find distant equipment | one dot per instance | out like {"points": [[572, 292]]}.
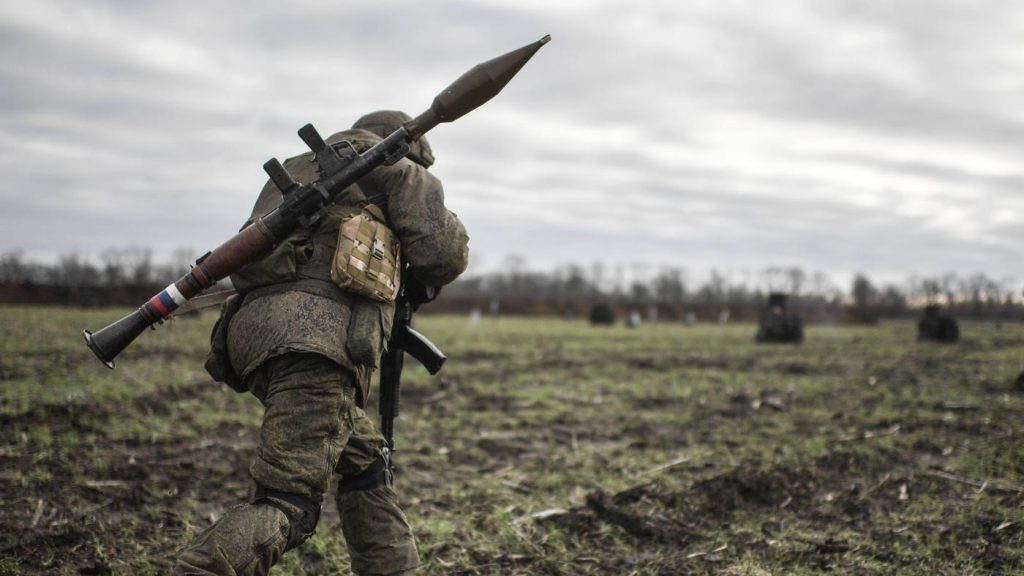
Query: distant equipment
{"points": [[935, 326], [690, 319], [634, 319], [602, 315], [777, 324]]}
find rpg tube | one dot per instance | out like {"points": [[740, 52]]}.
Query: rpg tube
{"points": [[471, 90]]}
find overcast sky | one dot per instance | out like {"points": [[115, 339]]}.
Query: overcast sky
{"points": [[884, 137]]}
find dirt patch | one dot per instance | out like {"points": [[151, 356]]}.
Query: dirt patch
{"points": [[89, 504], [741, 488], [806, 507], [77, 512], [663, 512]]}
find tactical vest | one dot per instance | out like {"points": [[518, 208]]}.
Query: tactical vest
{"points": [[290, 303], [307, 252]]}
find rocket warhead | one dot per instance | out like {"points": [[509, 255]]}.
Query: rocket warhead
{"points": [[473, 88]]}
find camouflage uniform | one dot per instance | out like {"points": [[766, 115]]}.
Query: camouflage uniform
{"points": [[306, 350]]}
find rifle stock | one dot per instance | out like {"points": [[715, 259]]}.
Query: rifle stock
{"points": [[404, 338]]}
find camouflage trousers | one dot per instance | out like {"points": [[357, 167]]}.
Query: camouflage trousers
{"points": [[312, 428]]}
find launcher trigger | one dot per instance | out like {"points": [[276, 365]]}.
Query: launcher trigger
{"points": [[348, 144], [312, 219], [397, 154]]}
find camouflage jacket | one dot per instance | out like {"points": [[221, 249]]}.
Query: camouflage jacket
{"points": [[289, 303]]}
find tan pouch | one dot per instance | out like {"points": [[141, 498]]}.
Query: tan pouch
{"points": [[366, 261]]}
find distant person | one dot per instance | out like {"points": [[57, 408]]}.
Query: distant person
{"points": [[306, 349]]}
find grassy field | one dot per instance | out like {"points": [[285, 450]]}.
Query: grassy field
{"points": [[549, 447]]}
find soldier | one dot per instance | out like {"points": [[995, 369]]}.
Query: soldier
{"points": [[306, 349], [777, 324]]}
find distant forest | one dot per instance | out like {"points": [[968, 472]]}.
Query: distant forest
{"points": [[127, 277]]}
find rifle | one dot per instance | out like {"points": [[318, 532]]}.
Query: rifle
{"points": [[304, 204], [404, 339]]}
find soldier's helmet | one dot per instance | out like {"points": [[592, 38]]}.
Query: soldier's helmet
{"points": [[384, 122]]}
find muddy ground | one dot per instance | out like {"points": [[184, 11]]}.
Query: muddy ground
{"points": [[549, 447]]}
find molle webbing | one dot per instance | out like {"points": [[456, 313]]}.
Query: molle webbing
{"points": [[366, 259]]}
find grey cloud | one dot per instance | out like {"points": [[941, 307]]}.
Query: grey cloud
{"points": [[938, 38], [1010, 184], [612, 138]]}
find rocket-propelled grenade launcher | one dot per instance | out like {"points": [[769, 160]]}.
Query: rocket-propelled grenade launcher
{"points": [[302, 205]]}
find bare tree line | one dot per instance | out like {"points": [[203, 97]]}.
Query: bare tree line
{"points": [[116, 267], [123, 276], [670, 293], [127, 276]]}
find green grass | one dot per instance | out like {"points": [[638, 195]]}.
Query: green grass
{"points": [[668, 450]]}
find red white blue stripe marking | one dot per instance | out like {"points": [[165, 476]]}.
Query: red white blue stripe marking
{"points": [[167, 301]]}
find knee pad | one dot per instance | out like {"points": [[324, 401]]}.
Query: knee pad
{"points": [[376, 475], [303, 513]]}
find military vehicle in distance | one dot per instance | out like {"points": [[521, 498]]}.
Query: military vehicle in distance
{"points": [[935, 326], [602, 315], [777, 324]]}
